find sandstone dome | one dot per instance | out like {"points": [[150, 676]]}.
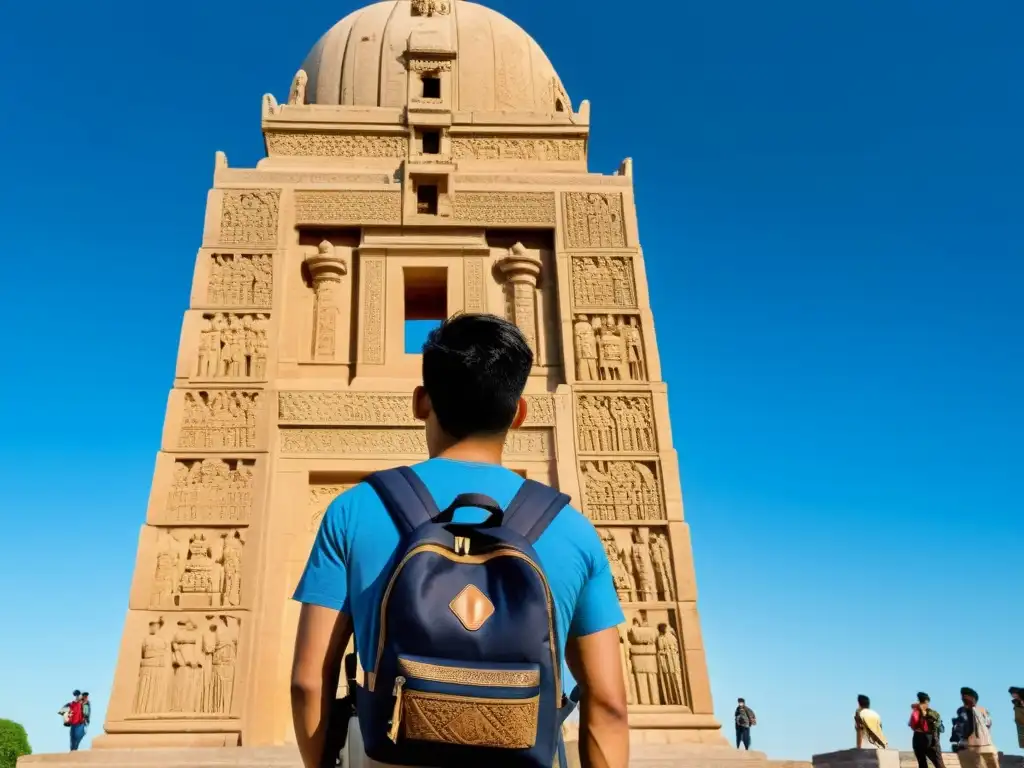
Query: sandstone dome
{"points": [[498, 67]]}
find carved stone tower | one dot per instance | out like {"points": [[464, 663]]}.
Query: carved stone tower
{"points": [[428, 161]]}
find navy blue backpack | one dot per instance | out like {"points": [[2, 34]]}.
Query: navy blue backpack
{"points": [[466, 668]]}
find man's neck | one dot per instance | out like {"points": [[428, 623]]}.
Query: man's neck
{"points": [[480, 450]]}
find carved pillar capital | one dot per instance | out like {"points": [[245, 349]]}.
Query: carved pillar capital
{"points": [[521, 266], [328, 264]]}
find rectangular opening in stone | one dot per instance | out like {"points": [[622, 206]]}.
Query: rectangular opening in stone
{"points": [[426, 199], [431, 85], [431, 142], [425, 303]]}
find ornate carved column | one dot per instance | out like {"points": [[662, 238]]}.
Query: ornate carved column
{"points": [[327, 268], [521, 269]]}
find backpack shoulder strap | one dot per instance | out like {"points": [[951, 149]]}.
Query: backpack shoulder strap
{"points": [[405, 497], [533, 508]]}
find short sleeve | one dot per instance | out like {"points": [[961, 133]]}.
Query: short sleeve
{"points": [[325, 580], [597, 608]]}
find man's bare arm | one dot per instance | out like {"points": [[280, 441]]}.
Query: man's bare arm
{"points": [[596, 663], [319, 647]]}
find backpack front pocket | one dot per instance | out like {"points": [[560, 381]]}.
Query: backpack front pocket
{"points": [[466, 703]]}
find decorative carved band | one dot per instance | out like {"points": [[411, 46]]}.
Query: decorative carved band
{"points": [[348, 207], [296, 144], [594, 220], [532, 208], [348, 442], [500, 148], [476, 293], [373, 311], [332, 408], [249, 216]]}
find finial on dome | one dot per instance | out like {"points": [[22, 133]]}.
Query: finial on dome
{"points": [[297, 95]]}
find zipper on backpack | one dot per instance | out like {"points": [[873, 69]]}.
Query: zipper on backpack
{"points": [[396, 713], [474, 560]]}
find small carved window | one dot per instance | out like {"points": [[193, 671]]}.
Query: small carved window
{"points": [[426, 199], [559, 106], [431, 142], [431, 85]]}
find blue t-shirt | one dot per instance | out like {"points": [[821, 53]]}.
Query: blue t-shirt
{"points": [[357, 539]]}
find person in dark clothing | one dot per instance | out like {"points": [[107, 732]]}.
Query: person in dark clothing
{"points": [[926, 724], [745, 720]]}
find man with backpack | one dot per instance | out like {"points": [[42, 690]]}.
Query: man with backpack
{"points": [[482, 605], [74, 714], [927, 726], [745, 720]]}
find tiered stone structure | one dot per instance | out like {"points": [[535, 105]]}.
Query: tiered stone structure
{"points": [[428, 161]]}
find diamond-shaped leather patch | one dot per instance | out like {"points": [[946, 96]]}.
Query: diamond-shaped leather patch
{"points": [[472, 608]]}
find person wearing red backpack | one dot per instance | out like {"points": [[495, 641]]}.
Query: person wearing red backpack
{"points": [[75, 714]]}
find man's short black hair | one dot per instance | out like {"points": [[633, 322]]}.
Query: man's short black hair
{"points": [[741, 701], [76, 692], [965, 691], [922, 697], [864, 701], [475, 368], [85, 693]]}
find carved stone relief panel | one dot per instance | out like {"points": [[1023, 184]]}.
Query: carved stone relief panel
{"points": [[188, 666], [603, 281], [475, 287], [398, 442], [641, 563], [337, 207], [609, 348], [652, 659], [198, 568], [232, 346], [249, 216], [336, 408], [296, 144], [240, 280], [496, 208], [528, 149], [621, 491], [615, 424], [219, 420], [210, 492], [594, 220]]}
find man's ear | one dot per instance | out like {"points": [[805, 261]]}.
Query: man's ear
{"points": [[421, 406], [520, 418]]}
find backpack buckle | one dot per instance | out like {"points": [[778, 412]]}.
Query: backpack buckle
{"points": [[461, 545]]}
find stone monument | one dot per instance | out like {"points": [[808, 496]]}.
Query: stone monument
{"points": [[428, 161]]}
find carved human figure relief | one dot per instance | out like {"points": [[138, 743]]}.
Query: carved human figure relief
{"points": [[240, 280], [670, 670], [609, 348], [622, 575], [209, 491], [232, 346], [219, 420], [603, 281], [615, 424], [153, 687], [594, 220], [627, 664], [198, 569], [202, 663], [640, 556], [661, 561], [643, 654], [621, 491], [250, 216], [297, 94]]}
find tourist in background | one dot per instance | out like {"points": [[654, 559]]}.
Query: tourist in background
{"points": [[745, 720], [86, 712], [868, 725], [1017, 697], [926, 724], [972, 736], [74, 719]]}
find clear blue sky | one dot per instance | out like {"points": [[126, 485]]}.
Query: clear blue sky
{"points": [[830, 204]]}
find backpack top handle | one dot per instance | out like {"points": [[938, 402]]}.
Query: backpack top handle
{"points": [[478, 501]]}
